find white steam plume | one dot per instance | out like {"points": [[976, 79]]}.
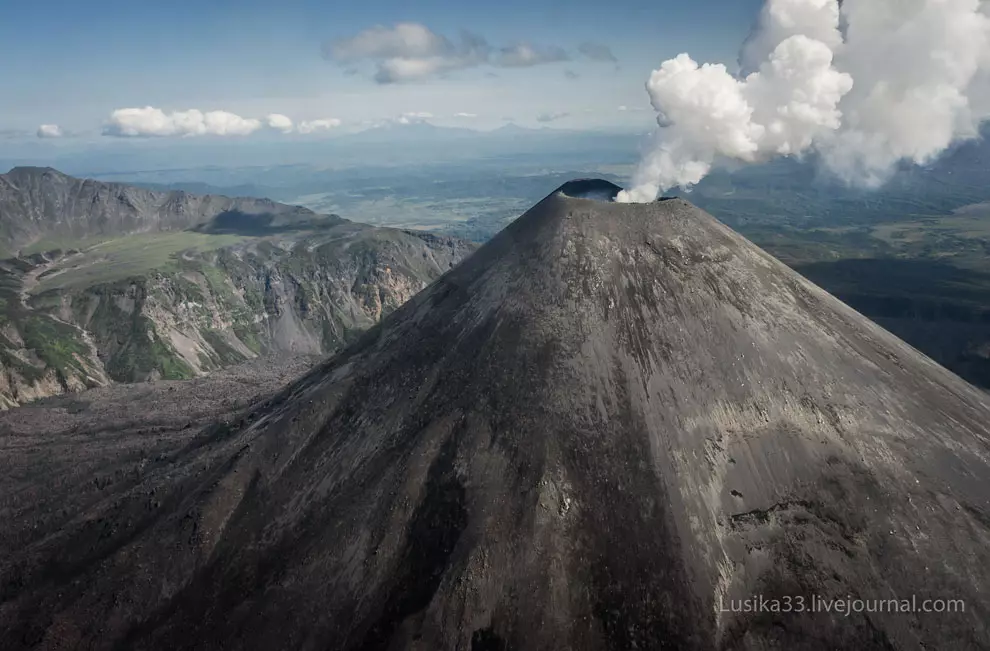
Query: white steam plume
{"points": [[865, 85], [781, 19]]}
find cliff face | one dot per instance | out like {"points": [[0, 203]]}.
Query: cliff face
{"points": [[309, 296], [206, 282]]}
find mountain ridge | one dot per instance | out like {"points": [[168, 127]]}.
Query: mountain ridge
{"points": [[136, 285], [41, 202]]}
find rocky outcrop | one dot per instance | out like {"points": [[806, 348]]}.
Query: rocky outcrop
{"points": [[311, 295], [41, 354]]}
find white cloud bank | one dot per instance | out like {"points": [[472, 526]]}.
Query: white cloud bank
{"points": [[284, 124], [154, 122], [50, 131], [150, 122], [865, 84]]}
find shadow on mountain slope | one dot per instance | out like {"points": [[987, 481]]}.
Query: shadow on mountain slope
{"points": [[936, 307], [237, 222]]}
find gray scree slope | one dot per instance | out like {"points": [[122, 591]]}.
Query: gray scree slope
{"points": [[598, 432]]}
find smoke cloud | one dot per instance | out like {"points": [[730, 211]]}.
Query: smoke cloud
{"points": [[865, 84]]}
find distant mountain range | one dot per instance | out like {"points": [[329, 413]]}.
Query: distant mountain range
{"points": [[42, 204], [105, 282], [423, 131]]}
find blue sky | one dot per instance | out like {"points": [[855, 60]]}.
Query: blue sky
{"points": [[73, 64]]}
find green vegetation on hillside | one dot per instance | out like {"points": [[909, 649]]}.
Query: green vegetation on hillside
{"points": [[133, 255], [57, 344], [143, 353]]}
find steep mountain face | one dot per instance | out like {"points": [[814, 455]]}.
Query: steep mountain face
{"points": [[605, 430], [244, 283]]}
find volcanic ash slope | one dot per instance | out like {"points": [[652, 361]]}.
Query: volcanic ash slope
{"points": [[604, 430]]}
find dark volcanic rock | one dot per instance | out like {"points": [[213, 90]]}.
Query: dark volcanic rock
{"points": [[597, 189], [602, 431]]}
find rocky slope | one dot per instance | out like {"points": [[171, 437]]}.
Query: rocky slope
{"points": [[607, 429], [242, 283]]}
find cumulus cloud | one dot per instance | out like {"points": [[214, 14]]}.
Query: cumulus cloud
{"points": [[404, 40], [279, 122], [466, 115], [150, 122], [524, 55], [597, 52], [551, 117], [394, 71], [408, 52], [863, 83], [50, 131], [153, 122]]}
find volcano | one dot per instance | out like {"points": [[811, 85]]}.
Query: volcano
{"points": [[615, 426]]}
